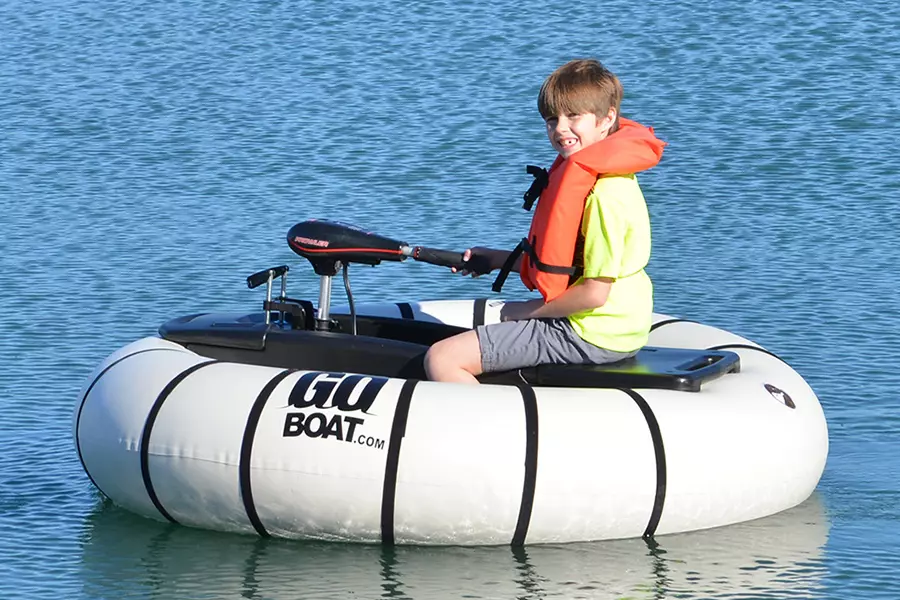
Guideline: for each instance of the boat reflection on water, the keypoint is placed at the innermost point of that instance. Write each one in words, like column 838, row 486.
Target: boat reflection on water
column 782, row 556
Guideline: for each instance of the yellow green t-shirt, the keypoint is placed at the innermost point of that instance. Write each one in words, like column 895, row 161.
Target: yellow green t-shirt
column 616, row 230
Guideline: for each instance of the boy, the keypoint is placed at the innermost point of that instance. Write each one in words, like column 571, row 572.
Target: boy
column 587, row 247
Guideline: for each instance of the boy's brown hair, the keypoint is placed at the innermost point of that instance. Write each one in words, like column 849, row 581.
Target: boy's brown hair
column 580, row 86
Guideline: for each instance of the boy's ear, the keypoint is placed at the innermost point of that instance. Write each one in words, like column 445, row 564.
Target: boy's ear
column 610, row 119
column 611, row 114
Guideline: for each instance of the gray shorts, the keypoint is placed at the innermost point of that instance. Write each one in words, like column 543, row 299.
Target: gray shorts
column 530, row 342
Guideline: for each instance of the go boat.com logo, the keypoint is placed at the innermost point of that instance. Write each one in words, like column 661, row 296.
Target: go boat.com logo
column 334, row 405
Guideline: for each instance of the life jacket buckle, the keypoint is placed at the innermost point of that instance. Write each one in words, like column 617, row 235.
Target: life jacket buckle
column 541, row 180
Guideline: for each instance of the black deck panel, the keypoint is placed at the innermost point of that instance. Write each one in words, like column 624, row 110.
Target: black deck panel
column 393, row 347
column 681, row 369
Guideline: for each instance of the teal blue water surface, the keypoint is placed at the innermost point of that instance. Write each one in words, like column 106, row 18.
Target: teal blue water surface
column 153, row 154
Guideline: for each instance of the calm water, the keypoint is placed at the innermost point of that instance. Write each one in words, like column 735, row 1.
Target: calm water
column 154, row 154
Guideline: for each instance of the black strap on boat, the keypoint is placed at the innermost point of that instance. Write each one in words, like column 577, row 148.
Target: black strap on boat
column 392, row 463
column 149, row 422
column 406, row 311
column 479, row 312
column 531, row 459
column 541, row 180
column 84, row 401
column 659, row 451
column 244, row 464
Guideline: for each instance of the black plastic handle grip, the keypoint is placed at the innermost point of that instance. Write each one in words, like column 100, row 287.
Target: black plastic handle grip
column 450, row 258
column 257, row 279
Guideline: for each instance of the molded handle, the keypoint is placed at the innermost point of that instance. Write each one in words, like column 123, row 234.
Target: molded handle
column 450, row 258
column 257, row 279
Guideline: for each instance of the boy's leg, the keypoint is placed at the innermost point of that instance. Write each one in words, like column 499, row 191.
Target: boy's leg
column 520, row 344
column 512, row 345
column 456, row 359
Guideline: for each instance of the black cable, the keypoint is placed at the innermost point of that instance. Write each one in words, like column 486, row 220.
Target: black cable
column 350, row 298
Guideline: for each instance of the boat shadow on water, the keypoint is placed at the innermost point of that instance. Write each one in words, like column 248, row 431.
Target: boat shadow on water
column 778, row 556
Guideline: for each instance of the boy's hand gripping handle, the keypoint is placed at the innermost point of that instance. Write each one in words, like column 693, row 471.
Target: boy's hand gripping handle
column 448, row 258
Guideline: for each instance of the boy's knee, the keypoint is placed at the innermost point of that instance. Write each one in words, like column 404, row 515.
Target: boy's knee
column 447, row 357
column 433, row 359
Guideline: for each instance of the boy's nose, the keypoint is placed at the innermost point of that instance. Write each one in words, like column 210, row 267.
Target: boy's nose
column 562, row 124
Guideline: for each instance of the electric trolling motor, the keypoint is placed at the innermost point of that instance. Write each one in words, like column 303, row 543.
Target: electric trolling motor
column 331, row 246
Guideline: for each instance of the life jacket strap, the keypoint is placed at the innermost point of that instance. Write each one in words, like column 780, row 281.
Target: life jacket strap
column 528, row 247
column 508, row 265
column 541, row 180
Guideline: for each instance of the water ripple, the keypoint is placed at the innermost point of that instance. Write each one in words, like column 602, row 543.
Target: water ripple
column 154, row 154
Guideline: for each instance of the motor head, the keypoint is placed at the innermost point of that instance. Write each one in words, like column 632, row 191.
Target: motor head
column 328, row 244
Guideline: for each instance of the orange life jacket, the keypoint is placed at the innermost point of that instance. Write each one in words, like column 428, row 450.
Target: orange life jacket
column 549, row 249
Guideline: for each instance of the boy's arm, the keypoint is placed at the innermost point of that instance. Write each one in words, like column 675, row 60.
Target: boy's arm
column 587, row 295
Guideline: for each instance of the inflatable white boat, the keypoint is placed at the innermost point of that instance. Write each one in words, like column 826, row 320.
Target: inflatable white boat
column 311, row 423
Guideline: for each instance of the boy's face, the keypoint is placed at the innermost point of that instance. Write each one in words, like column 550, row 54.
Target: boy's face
column 570, row 133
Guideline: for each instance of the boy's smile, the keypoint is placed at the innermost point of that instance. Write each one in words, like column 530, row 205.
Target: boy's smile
column 570, row 133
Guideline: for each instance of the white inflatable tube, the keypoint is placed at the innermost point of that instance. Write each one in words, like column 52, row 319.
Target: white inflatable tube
column 170, row 434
